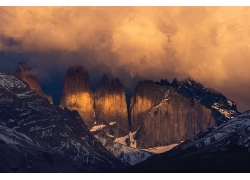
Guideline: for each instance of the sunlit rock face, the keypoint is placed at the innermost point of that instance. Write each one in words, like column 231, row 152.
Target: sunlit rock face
column 111, row 107
column 145, row 96
column 161, row 116
column 25, row 72
column 77, row 94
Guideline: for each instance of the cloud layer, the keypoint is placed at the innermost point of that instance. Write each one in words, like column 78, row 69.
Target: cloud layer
column 208, row 44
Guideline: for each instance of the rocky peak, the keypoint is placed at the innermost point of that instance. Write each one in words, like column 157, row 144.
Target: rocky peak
column 116, row 82
column 105, row 78
column 161, row 116
column 163, row 82
column 111, row 107
column 222, row 108
column 25, row 72
column 77, row 93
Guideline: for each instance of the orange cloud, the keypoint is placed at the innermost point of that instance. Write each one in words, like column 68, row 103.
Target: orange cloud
column 208, row 44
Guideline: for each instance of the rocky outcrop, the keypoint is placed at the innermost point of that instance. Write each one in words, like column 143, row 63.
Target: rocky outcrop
column 77, row 94
column 25, row 72
column 111, row 107
column 161, row 116
column 222, row 108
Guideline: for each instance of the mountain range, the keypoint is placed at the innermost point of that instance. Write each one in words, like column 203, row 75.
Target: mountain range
column 98, row 131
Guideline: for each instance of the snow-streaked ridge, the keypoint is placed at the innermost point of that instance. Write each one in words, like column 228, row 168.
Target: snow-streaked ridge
column 126, row 154
column 238, row 127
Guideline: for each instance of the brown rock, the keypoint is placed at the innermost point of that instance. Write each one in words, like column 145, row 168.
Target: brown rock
column 162, row 116
column 77, row 94
column 146, row 95
column 25, row 72
column 111, row 106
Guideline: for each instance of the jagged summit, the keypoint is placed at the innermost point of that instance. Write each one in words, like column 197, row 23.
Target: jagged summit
column 113, row 85
column 161, row 116
column 111, row 107
column 25, row 72
column 163, row 82
column 222, row 108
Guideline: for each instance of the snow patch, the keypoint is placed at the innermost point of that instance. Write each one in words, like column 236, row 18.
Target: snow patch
column 122, row 140
column 97, row 128
column 10, row 82
column 161, row 149
column 126, row 154
column 230, row 102
column 112, row 123
column 109, row 135
column 227, row 113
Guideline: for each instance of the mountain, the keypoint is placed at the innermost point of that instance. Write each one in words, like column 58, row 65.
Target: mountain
column 77, row 94
column 111, row 107
column 25, row 72
column 222, row 108
column 36, row 136
column 161, row 116
column 159, row 113
column 218, row 149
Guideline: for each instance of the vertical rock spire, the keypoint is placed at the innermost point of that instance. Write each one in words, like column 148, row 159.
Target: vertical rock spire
column 111, row 106
column 77, row 93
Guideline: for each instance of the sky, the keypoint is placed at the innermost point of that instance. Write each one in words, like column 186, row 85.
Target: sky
column 208, row 44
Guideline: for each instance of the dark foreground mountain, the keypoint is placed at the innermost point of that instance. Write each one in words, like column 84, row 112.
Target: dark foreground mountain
column 36, row 136
column 219, row 149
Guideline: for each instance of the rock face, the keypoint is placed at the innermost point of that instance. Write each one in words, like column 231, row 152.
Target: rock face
column 77, row 94
column 218, row 149
column 25, row 72
column 222, row 108
column 44, row 137
column 111, row 107
column 161, row 116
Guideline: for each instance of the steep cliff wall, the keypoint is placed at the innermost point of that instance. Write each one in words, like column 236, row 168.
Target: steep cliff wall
column 77, row 94
column 161, row 116
column 111, row 106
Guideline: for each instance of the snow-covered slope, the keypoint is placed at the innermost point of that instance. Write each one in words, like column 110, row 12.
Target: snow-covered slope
column 126, row 154
column 24, row 112
column 236, row 131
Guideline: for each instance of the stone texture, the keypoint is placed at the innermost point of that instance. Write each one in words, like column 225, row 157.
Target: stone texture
column 161, row 116
column 146, row 95
column 25, row 72
column 174, row 120
column 111, row 106
column 222, row 108
column 77, row 94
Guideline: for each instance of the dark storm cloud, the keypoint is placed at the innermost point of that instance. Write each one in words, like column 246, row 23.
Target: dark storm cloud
column 208, row 44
